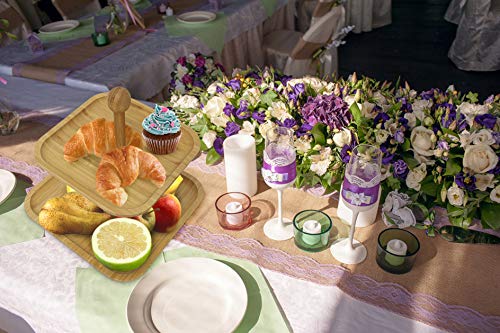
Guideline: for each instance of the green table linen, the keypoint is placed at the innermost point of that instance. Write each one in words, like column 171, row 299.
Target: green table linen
column 17, row 227
column 101, row 303
column 17, row 196
column 85, row 29
column 211, row 33
column 269, row 6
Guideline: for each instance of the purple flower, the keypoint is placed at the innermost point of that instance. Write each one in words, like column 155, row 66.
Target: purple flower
column 345, row 153
column 327, row 109
column 464, row 181
column 199, row 61
column 199, row 71
column 443, row 145
column 403, row 121
column 232, row 128
column 496, row 170
column 283, row 78
column 429, row 94
column 259, row 116
column 187, row 79
column 303, row 130
column 399, row 136
column 218, row 146
column 234, row 84
column 292, row 97
column 220, row 67
column 182, row 61
column 252, row 75
column 490, row 99
column 400, row 169
column 496, row 136
column 405, row 105
column 288, row 123
column 198, row 83
column 387, row 158
column 299, row 88
column 229, row 110
column 381, row 117
column 218, row 89
column 487, row 120
column 242, row 112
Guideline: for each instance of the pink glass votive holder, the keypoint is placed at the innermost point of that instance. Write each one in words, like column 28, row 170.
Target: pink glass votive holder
column 233, row 210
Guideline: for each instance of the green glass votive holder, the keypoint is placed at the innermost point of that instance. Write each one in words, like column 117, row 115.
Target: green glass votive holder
column 397, row 250
column 312, row 230
column 100, row 38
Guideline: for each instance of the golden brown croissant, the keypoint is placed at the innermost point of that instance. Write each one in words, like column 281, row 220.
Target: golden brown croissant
column 98, row 138
column 121, row 167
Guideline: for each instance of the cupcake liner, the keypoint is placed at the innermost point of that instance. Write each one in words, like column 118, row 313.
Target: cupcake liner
column 162, row 146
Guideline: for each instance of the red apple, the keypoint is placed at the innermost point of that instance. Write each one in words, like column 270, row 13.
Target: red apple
column 167, row 211
column 148, row 218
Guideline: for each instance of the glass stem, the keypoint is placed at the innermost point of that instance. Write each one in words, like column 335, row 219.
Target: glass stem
column 353, row 226
column 280, row 213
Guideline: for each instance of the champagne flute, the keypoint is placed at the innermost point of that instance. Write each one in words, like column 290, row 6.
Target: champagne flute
column 279, row 171
column 359, row 193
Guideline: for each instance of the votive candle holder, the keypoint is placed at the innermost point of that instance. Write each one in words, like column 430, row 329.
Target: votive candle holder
column 233, row 210
column 100, row 38
column 397, row 263
column 307, row 241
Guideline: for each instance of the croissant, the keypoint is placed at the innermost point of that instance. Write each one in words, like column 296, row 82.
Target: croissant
column 98, row 138
column 121, row 167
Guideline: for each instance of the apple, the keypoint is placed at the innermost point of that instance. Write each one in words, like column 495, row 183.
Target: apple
column 167, row 211
column 148, row 218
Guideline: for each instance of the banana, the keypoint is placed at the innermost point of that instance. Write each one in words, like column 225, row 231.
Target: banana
column 81, row 201
column 71, row 214
column 60, row 222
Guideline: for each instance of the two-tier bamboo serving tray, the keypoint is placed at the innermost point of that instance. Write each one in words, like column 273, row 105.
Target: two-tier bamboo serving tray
column 80, row 175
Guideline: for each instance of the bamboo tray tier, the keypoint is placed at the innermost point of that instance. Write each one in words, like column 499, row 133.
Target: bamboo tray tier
column 189, row 193
column 80, row 175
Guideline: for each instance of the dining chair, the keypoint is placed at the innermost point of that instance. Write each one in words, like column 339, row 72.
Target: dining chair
column 18, row 24
column 71, row 9
column 321, row 9
column 292, row 51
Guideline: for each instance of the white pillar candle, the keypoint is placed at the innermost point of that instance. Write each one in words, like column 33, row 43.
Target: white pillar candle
column 232, row 208
column 397, row 247
column 311, row 227
column 241, row 164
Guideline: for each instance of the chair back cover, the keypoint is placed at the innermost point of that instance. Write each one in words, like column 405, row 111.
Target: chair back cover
column 75, row 9
column 322, row 8
column 18, row 25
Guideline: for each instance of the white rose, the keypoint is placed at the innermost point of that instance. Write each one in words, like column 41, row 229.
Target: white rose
column 412, row 120
column 278, row 110
column 395, row 208
column 483, row 136
column 215, row 106
column 191, row 58
column 480, row 158
column 421, row 141
column 395, row 200
column 470, row 110
column 264, row 127
column 423, row 159
column 252, row 95
column 181, row 70
column 495, row 194
column 314, row 83
column 416, row 176
column 379, row 98
column 187, row 102
column 350, row 100
column 220, row 120
column 465, row 139
column 366, row 109
column 419, row 106
column 302, row 144
column 342, row 138
column 228, row 94
column 209, row 138
column 484, row 181
column 212, row 89
column 455, row 196
column 321, row 162
column 247, row 128
column 381, row 136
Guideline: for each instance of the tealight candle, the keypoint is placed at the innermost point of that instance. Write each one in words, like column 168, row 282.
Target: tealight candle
column 234, row 207
column 311, row 227
column 100, row 38
column 397, row 247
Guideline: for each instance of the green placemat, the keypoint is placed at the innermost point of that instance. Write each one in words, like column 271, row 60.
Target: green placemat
column 101, row 303
column 17, row 196
column 211, row 33
column 85, row 29
column 17, row 227
column 269, row 6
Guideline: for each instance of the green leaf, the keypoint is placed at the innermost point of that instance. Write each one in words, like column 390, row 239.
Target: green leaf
column 212, row 156
column 490, row 213
column 203, row 146
column 412, row 163
column 268, row 97
column 452, row 167
column 448, row 131
column 429, row 187
column 406, row 145
column 356, row 113
column 319, row 133
column 472, row 97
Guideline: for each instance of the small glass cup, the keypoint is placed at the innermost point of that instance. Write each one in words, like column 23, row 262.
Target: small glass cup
column 312, row 241
column 233, row 210
column 100, row 38
column 397, row 263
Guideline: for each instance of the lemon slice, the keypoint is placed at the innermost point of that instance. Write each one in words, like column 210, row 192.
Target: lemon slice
column 175, row 185
column 121, row 244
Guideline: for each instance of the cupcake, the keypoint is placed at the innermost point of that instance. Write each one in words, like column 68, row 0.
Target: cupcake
column 161, row 131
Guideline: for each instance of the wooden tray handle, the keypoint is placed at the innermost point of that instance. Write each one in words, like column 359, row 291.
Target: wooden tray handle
column 119, row 101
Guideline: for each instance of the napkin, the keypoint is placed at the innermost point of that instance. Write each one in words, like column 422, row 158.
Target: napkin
column 17, row 227
column 210, row 33
column 101, row 303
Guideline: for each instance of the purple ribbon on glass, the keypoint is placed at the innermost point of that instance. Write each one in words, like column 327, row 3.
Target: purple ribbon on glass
column 279, row 174
column 359, row 196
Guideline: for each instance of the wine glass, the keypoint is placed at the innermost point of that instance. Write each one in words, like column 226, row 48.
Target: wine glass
column 279, row 171
column 359, row 193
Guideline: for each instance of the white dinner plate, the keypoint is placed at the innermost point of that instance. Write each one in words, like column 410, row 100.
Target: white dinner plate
column 188, row 295
column 59, row 26
column 7, row 184
column 196, row 17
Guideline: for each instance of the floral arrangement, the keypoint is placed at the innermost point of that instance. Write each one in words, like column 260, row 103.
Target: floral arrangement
column 439, row 147
column 194, row 73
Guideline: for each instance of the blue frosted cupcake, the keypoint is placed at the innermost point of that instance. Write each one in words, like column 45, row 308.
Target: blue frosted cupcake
column 161, row 130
